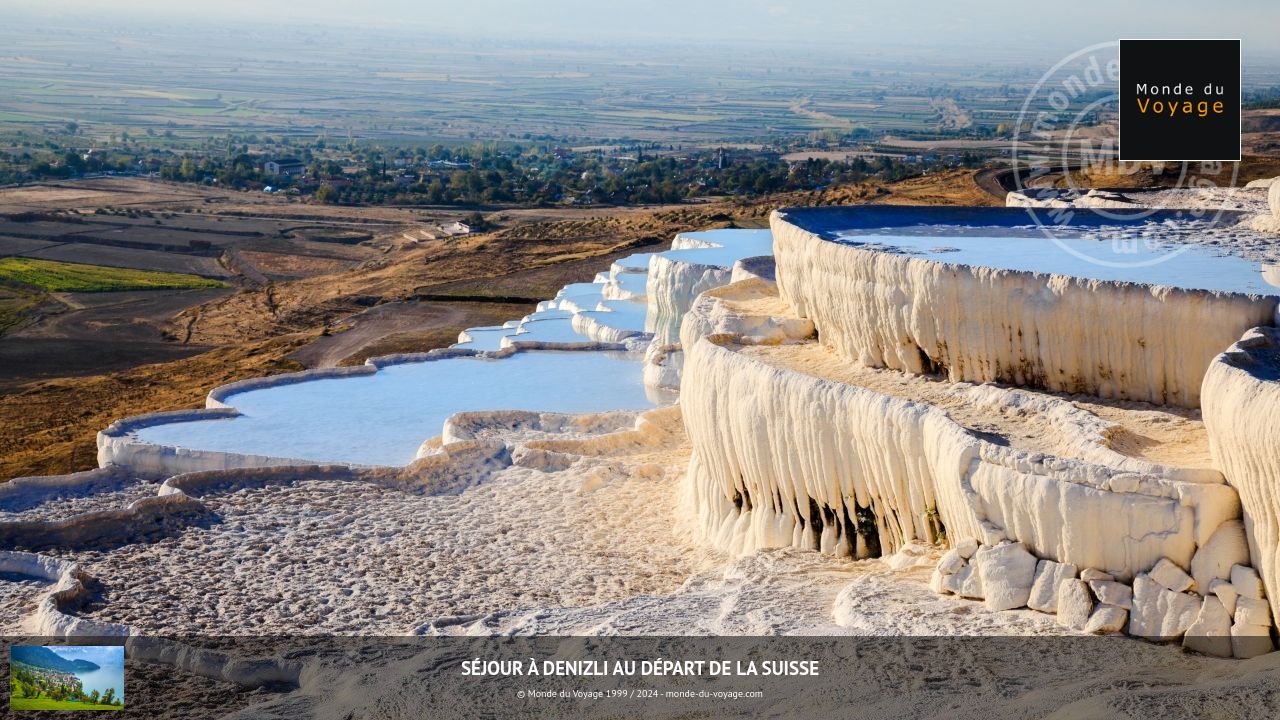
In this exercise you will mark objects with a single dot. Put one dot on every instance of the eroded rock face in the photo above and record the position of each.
(1170, 576)
(1107, 619)
(1241, 397)
(1159, 613)
(1075, 604)
(1248, 641)
(1110, 592)
(1211, 632)
(914, 314)
(1226, 547)
(1044, 589)
(784, 458)
(1007, 573)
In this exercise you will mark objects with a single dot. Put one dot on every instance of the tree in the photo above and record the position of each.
(108, 696)
(327, 195)
(93, 697)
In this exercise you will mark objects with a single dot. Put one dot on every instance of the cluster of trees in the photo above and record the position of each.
(1262, 97)
(476, 174)
(533, 177)
(26, 683)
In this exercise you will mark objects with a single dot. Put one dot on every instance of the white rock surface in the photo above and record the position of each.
(675, 280)
(771, 445)
(1170, 576)
(1110, 592)
(1241, 394)
(1246, 582)
(1044, 589)
(1248, 641)
(1107, 619)
(1007, 572)
(937, 582)
(1075, 604)
(1104, 338)
(1093, 575)
(1252, 611)
(1226, 592)
(1211, 632)
(1226, 547)
(954, 583)
(1273, 198)
(951, 562)
(971, 587)
(967, 547)
(1159, 613)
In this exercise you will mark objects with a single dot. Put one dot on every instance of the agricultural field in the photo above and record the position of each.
(45, 703)
(78, 277)
(406, 87)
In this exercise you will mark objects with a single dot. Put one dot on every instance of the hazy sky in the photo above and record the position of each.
(1050, 26)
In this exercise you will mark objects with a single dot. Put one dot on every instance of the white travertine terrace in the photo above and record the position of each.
(979, 324)
(798, 442)
(841, 462)
(697, 262)
(1242, 416)
(50, 618)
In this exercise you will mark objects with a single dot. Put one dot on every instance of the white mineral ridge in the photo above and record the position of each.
(1075, 604)
(1211, 632)
(979, 324)
(1044, 589)
(1273, 197)
(1159, 613)
(778, 454)
(1171, 576)
(1107, 619)
(711, 317)
(1226, 547)
(1007, 573)
(697, 262)
(1241, 394)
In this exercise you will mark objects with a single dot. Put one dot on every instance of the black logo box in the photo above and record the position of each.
(1187, 65)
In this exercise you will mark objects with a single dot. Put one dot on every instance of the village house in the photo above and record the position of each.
(292, 167)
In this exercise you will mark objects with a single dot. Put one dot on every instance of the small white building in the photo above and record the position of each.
(285, 166)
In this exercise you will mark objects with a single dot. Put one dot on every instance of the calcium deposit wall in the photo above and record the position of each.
(1242, 415)
(1103, 338)
(782, 458)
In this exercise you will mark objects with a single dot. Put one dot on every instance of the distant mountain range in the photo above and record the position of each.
(43, 657)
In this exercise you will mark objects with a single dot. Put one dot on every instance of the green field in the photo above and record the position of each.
(48, 704)
(73, 277)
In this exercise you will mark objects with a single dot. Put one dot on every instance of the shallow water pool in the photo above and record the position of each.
(1132, 258)
(382, 419)
(721, 248)
(1166, 247)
